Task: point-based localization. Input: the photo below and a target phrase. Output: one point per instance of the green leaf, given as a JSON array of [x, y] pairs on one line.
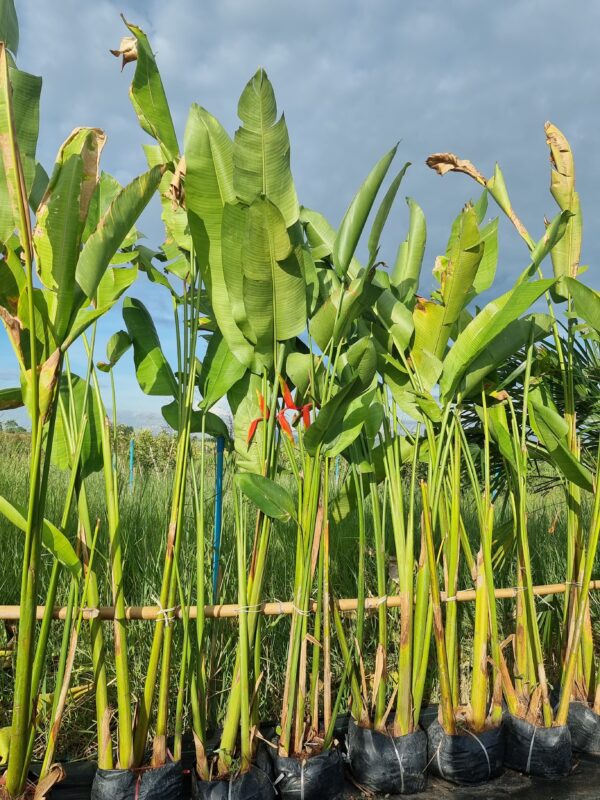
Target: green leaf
[[213, 424], [359, 361], [322, 429], [501, 433], [9, 25], [270, 497], [19, 110], [220, 371], [383, 213], [321, 237], [72, 398], [551, 429], [243, 402], [554, 233], [567, 252], [118, 344], [267, 295], [396, 318], [358, 211], [586, 301], [52, 539], [152, 369], [261, 152], [11, 398], [330, 324], [112, 229], [513, 338], [208, 185], [61, 220], [489, 260], [484, 328], [456, 272], [300, 369], [407, 269], [148, 97]]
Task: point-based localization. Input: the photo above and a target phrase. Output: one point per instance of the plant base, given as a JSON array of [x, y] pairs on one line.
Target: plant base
[[388, 764], [584, 727], [252, 785], [162, 783], [465, 758], [318, 777], [536, 751]]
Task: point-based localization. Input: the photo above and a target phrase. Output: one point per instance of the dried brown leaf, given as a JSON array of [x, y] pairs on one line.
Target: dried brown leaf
[[448, 162]]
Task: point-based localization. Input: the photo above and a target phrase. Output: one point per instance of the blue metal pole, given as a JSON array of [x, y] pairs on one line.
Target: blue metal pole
[[218, 514], [131, 460]]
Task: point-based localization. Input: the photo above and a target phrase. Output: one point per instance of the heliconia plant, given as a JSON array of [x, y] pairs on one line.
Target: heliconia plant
[[69, 247]]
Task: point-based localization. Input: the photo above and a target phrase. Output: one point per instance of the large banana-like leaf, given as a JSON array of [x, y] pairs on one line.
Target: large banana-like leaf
[[12, 276], [244, 404], [407, 269], [148, 95], [357, 413], [456, 272], [307, 373], [270, 497], [355, 218], [208, 190], [586, 301], [552, 430], [501, 433], [396, 318], [152, 369], [341, 308], [220, 371], [383, 213], [263, 276], [274, 294], [9, 26], [112, 229], [212, 424], [208, 184], [513, 338], [321, 237], [566, 254], [61, 218], [118, 344], [329, 414], [73, 394], [484, 328], [19, 100], [261, 152], [487, 268], [53, 540]]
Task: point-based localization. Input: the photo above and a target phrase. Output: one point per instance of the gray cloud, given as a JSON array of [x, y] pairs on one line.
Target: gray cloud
[[353, 77]]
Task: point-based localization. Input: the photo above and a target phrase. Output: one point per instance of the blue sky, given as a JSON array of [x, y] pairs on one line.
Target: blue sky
[[476, 78]]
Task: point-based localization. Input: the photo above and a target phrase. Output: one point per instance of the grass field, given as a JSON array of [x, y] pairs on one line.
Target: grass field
[[144, 517]]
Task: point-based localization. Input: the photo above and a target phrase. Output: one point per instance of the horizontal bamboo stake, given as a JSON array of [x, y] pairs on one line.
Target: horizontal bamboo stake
[[229, 610]]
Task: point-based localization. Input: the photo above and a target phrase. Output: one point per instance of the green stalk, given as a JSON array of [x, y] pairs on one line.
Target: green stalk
[[447, 709], [125, 759], [245, 734], [569, 676], [452, 550], [255, 580]]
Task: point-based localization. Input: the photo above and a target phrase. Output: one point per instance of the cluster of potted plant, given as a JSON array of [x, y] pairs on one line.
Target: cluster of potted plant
[[427, 401]]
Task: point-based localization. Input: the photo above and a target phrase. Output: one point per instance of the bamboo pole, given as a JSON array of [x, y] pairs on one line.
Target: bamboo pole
[[273, 609]]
